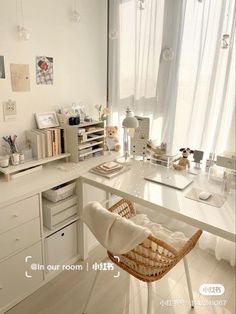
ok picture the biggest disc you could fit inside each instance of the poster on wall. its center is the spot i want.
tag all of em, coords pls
(2, 68)
(44, 70)
(20, 79)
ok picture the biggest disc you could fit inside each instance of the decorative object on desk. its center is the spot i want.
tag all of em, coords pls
(197, 157)
(140, 138)
(74, 120)
(158, 149)
(88, 119)
(9, 110)
(209, 162)
(215, 199)
(111, 139)
(159, 155)
(20, 78)
(103, 112)
(130, 123)
(46, 120)
(109, 169)
(183, 161)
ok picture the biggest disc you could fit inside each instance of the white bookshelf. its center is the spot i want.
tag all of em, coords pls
(28, 166)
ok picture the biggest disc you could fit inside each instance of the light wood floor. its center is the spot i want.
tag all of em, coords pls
(67, 293)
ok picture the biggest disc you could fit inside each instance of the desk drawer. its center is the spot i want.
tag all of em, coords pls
(13, 282)
(20, 237)
(19, 213)
(56, 213)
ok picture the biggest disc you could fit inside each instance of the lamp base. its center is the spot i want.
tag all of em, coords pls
(125, 160)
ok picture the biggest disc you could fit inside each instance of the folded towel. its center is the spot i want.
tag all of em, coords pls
(176, 239)
(117, 234)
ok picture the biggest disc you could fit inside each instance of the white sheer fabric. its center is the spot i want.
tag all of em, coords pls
(189, 99)
(206, 92)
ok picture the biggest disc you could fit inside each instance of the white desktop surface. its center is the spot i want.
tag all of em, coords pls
(170, 201)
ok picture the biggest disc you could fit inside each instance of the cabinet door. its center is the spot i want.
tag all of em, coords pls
(13, 281)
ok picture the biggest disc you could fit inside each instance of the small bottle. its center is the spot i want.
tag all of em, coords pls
(226, 184)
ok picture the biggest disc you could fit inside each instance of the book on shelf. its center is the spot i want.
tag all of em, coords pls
(47, 142)
(35, 143)
(109, 169)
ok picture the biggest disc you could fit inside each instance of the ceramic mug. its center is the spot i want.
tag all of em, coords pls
(4, 161)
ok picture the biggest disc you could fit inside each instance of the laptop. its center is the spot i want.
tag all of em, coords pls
(173, 180)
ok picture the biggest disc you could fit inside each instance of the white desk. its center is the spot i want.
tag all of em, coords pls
(170, 201)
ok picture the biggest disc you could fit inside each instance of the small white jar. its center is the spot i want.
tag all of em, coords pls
(4, 161)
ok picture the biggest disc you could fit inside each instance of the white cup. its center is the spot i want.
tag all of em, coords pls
(15, 159)
(4, 161)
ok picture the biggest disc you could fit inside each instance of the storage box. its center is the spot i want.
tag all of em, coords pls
(60, 192)
(55, 214)
(62, 245)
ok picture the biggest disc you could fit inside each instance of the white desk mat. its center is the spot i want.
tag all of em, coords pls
(216, 200)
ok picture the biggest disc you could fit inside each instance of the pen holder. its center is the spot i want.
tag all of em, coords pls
(15, 159)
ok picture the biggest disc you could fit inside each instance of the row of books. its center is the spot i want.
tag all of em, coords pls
(47, 142)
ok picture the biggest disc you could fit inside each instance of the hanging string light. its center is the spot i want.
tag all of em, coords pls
(141, 4)
(225, 42)
(75, 13)
(24, 34)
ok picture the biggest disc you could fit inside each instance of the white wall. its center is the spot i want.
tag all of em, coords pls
(79, 52)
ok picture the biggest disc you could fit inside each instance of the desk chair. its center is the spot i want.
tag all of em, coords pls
(150, 260)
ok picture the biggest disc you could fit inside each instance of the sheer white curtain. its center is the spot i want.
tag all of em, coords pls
(136, 40)
(206, 92)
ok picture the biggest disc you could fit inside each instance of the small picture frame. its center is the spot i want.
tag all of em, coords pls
(46, 120)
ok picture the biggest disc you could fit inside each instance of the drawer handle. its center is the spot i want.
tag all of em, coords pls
(62, 234)
(15, 215)
(17, 239)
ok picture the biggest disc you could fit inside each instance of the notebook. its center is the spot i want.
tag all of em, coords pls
(174, 180)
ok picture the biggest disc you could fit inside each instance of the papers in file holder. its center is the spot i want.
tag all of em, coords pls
(109, 169)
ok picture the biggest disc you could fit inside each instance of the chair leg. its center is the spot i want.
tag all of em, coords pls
(190, 291)
(92, 288)
(149, 306)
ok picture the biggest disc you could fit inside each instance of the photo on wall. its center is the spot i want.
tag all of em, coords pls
(20, 78)
(2, 68)
(44, 70)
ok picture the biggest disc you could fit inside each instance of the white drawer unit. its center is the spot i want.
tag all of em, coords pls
(55, 214)
(62, 245)
(19, 238)
(13, 281)
(18, 213)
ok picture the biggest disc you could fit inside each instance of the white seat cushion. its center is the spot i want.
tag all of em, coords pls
(176, 239)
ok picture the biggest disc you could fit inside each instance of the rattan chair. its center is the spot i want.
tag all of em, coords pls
(151, 259)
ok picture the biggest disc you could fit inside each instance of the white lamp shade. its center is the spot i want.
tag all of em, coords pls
(130, 123)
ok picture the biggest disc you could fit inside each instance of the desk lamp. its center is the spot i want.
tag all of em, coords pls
(129, 124)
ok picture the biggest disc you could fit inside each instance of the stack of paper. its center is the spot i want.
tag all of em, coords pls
(109, 169)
